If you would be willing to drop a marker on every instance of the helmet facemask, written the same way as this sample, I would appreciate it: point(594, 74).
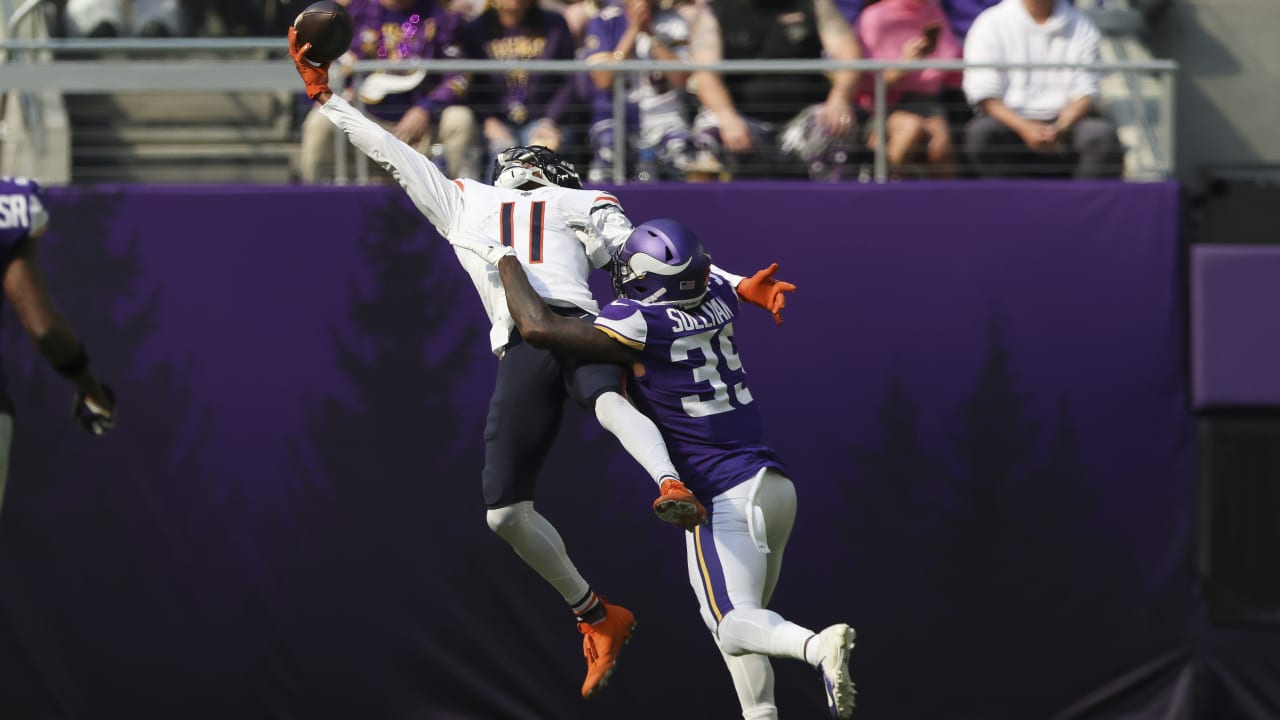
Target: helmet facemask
point(517, 166)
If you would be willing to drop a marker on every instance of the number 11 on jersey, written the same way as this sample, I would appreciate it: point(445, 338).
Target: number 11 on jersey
point(537, 212)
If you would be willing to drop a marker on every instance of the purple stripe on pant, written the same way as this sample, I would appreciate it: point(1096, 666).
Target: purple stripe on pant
point(709, 567)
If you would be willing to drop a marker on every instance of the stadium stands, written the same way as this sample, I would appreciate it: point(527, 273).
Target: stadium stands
point(241, 122)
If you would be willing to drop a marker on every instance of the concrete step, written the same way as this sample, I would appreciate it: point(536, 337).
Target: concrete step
point(258, 151)
point(183, 137)
point(265, 162)
point(192, 135)
point(168, 109)
point(173, 175)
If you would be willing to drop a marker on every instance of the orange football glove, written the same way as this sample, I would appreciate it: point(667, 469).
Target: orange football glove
point(316, 77)
point(762, 290)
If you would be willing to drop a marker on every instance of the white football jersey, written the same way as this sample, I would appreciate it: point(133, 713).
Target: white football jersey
point(531, 221)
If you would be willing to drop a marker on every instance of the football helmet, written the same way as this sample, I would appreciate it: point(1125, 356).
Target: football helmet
point(805, 136)
point(510, 171)
point(662, 261)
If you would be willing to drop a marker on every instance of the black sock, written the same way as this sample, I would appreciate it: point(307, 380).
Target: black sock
point(589, 609)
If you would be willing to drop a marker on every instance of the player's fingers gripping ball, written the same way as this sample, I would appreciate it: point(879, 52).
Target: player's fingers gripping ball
point(316, 77)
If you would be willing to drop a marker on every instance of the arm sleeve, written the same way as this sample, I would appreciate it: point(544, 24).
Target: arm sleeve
point(983, 83)
point(452, 90)
point(38, 215)
point(436, 196)
point(452, 87)
point(613, 227)
point(626, 325)
point(729, 277)
point(599, 41)
point(1084, 83)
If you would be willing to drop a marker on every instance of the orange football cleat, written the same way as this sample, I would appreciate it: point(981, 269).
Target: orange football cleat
point(678, 506)
point(602, 644)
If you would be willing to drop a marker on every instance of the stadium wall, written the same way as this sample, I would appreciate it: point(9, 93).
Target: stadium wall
point(979, 389)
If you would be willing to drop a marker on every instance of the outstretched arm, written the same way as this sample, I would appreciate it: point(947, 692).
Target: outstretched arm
point(543, 328)
point(436, 196)
point(52, 335)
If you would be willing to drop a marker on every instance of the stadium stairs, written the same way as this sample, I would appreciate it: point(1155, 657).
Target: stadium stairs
point(251, 137)
point(171, 137)
point(1131, 100)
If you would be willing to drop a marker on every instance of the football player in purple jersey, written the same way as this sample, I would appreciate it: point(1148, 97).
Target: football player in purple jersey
point(672, 323)
point(23, 218)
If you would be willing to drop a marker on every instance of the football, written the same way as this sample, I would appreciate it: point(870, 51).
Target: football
point(327, 26)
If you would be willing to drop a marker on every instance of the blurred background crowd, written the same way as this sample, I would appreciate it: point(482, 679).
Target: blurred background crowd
point(700, 125)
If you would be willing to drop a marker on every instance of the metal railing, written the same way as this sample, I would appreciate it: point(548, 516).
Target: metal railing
point(260, 64)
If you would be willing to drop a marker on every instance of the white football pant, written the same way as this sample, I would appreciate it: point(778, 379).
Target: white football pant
point(734, 563)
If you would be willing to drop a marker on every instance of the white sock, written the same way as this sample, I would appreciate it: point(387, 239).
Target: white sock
point(536, 541)
point(753, 682)
point(637, 433)
point(756, 630)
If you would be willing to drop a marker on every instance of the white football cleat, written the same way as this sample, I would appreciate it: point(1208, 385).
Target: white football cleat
point(834, 644)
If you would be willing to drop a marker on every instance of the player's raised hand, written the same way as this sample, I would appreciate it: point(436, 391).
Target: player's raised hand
point(489, 251)
point(316, 77)
point(764, 291)
point(96, 415)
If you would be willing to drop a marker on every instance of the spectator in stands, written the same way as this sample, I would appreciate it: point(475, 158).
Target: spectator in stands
point(917, 121)
point(657, 122)
point(120, 18)
point(519, 107)
point(419, 108)
point(1033, 121)
point(774, 124)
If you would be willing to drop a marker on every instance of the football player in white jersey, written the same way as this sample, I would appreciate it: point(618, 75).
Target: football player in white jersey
point(533, 205)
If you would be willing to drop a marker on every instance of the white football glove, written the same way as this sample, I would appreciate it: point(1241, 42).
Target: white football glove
point(490, 252)
point(582, 226)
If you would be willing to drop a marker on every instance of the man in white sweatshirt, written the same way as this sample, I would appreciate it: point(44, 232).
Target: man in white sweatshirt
point(1034, 121)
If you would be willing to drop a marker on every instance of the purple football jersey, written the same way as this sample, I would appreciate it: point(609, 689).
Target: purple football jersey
point(20, 212)
point(422, 30)
point(519, 96)
point(694, 387)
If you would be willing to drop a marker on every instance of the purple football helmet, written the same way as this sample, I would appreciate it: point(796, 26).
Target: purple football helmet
point(662, 261)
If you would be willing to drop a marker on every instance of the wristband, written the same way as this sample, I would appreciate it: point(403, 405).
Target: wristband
point(76, 365)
